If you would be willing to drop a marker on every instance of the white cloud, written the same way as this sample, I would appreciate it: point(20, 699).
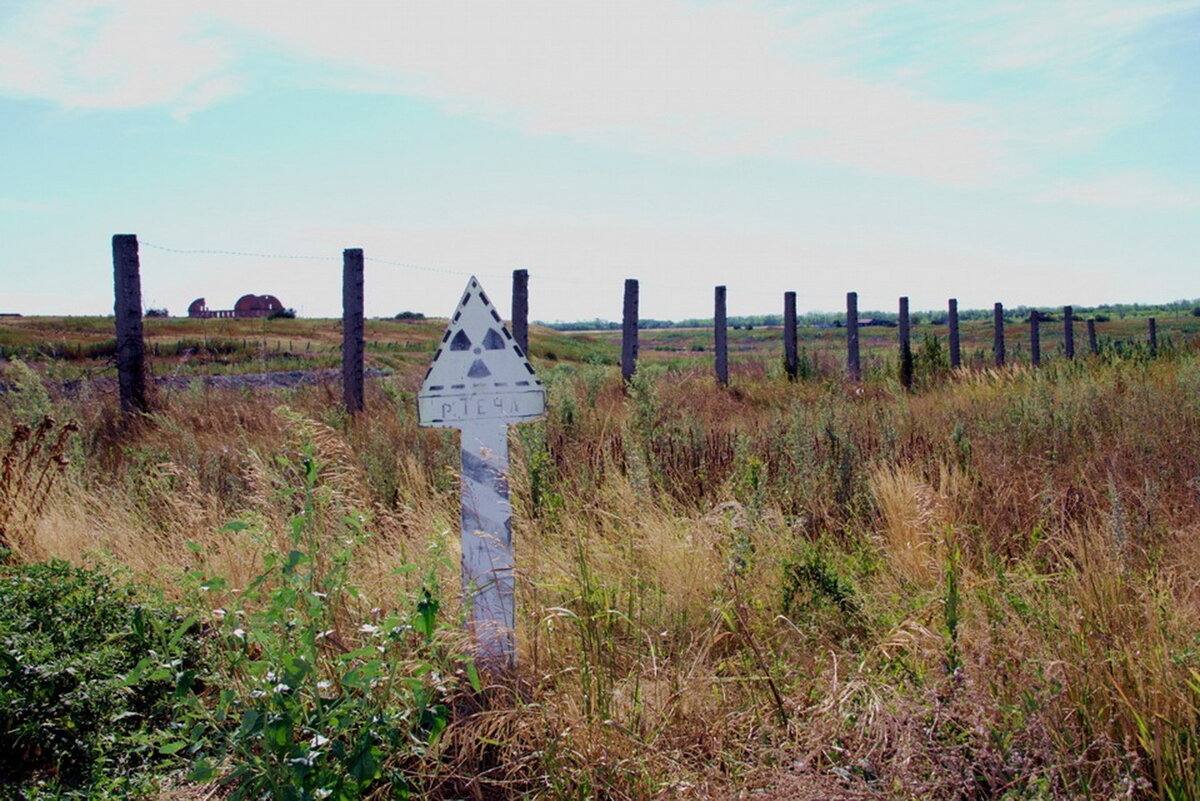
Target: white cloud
point(960, 95)
point(714, 80)
point(104, 55)
point(1124, 190)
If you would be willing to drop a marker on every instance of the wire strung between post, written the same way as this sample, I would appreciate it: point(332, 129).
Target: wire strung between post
point(420, 267)
point(211, 252)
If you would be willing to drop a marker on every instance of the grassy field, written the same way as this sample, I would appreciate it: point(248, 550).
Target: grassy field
point(73, 347)
point(984, 588)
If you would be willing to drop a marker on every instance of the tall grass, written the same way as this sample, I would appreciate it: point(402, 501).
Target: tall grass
point(981, 589)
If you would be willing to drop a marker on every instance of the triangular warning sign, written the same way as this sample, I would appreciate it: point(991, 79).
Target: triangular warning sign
point(479, 371)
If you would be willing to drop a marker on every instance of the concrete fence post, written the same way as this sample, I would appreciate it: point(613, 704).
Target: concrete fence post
point(791, 362)
point(906, 357)
point(520, 310)
point(1093, 345)
point(720, 337)
point(629, 330)
point(853, 366)
point(352, 329)
point(1069, 332)
point(1035, 339)
point(952, 322)
point(998, 334)
point(127, 312)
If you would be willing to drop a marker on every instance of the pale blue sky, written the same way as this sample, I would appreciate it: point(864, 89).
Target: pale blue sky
point(1027, 152)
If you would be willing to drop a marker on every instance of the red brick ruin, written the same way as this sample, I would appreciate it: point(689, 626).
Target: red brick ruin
point(246, 306)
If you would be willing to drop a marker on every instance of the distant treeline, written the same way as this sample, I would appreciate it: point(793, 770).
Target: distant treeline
point(1101, 313)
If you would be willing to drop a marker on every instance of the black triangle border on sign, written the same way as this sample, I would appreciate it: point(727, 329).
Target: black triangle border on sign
point(473, 286)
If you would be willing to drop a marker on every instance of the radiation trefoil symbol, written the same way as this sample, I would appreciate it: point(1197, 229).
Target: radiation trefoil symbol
point(479, 371)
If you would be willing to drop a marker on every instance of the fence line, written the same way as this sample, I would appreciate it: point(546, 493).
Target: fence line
point(1035, 338)
point(131, 346)
point(998, 334)
point(629, 330)
point(127, 312)
point(853, 365)
point(952, 322)
point(791, 362)
point(352, 329)
point(720, 337)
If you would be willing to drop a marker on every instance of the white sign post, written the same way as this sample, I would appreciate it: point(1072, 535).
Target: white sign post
point(480, 382)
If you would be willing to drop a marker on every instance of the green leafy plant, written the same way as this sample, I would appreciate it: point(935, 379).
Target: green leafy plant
point(318, 702)
point(933, 361)
point(90, 675)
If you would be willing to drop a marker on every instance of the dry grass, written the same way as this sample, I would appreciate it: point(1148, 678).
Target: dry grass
point(811, 590)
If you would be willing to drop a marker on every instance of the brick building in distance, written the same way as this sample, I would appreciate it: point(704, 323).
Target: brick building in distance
point(246, 306)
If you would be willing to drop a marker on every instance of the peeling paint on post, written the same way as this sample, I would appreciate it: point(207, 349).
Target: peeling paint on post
point(520, 309)
point(352, 329)
point(1093, 345)
point(1153, 336)
point(629, 330)
point(720, 337)
point(906, 358)
point(952, 322)
point(853, 366)
point(127, 312)
point(1035, 339)
point(1069, 332)
point(791, 362)
point(998, 334)
point(480, 382)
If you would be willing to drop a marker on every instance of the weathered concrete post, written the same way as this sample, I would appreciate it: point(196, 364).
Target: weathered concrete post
point(906, 358)
point(952, 321)
point(629, 330)
point(1153, 336)
point(853, 366)
point(998, 334)
point(1035, 339)
point(1069, 332)
point(520, 309)
point(352, 329)
point(480, 382)
point(1093, 345)
point(720, 337)
point(127, 311)
point(791, 362)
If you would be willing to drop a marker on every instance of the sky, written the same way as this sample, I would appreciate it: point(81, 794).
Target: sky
point(1036, 153)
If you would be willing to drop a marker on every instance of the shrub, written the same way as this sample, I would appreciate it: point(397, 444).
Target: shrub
point(410, 315)
point(157, 313)
point(282, 314)
point(932, 360)
point(311, 705)
point(88, 675)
